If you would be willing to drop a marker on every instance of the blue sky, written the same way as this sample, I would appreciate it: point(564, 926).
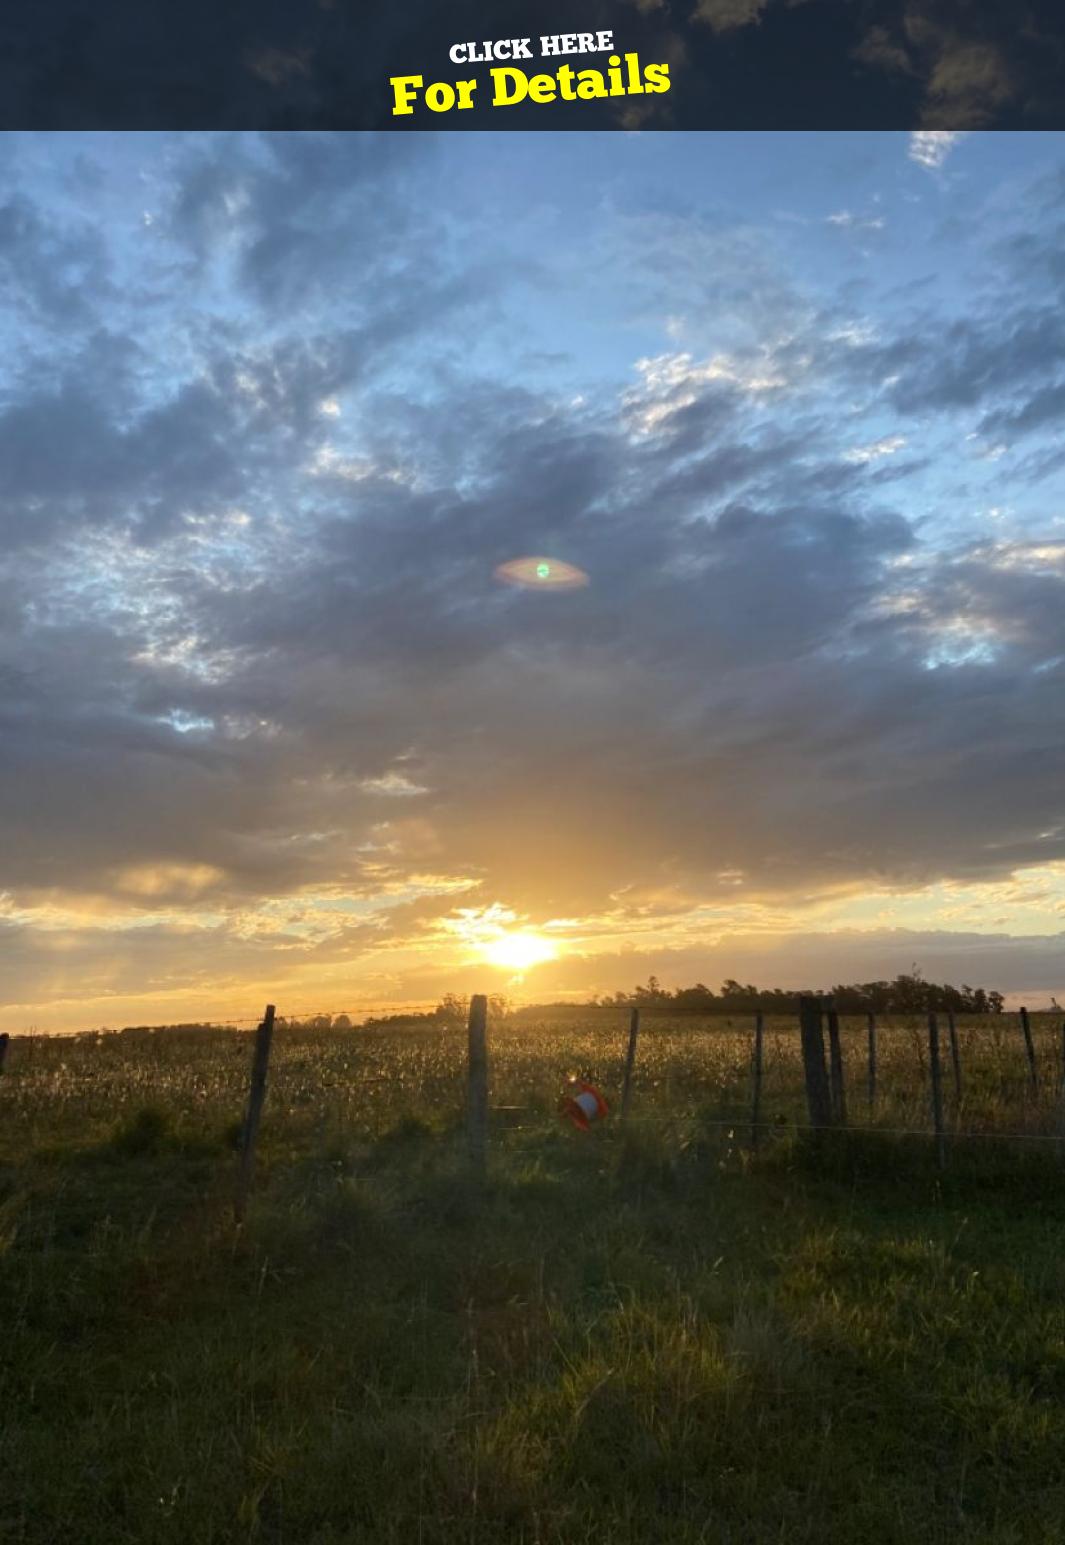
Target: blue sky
point(274, 410)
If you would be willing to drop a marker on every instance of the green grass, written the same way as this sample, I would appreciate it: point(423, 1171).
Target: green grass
point(647, 1337)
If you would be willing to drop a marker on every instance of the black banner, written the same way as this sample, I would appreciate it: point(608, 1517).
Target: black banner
point(588, 64)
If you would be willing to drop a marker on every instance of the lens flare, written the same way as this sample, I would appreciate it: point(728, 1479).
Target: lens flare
point(538, 573)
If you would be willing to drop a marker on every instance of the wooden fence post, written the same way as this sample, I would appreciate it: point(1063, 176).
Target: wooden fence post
point(477, 1084)
point(818, 1098)
point(260, 1062)
point(937, 1087)
point(1033, 1077)
point(955, 1059)
point(871, 1024)
point(756, 1097)
point(835, 1065)
point(630, 1062)
point(4, 1040)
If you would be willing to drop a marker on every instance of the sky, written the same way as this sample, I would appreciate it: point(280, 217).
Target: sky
point(326, 64)
point(276, 408)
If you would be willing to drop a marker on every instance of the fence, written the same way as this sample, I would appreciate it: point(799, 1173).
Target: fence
point(932, 1079)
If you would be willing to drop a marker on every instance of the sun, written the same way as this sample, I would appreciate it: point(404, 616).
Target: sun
point(519, 951)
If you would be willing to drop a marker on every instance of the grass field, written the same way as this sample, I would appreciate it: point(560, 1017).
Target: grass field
point(651, 1336)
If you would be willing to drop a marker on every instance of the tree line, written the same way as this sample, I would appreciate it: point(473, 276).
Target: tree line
point(907, 993)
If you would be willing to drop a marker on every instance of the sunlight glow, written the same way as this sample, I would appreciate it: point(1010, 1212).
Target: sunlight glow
point(519, 951)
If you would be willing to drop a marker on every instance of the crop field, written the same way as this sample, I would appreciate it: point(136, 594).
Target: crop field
point(656, 1333)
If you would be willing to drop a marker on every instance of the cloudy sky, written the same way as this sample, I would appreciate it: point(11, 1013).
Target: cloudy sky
point(274, 409)
point(278, 64)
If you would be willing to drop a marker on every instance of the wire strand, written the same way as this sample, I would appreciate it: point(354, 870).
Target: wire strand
point(741, 1125)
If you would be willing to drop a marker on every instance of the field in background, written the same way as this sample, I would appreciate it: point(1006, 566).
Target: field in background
point(330, 1087)
point(649, 1336)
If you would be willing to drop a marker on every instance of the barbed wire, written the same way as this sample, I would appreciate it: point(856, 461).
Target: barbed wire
point(743, 1126)
point(882, 1017)
point(398, 1013)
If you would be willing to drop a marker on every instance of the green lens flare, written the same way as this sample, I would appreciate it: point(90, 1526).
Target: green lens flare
point(540, 573)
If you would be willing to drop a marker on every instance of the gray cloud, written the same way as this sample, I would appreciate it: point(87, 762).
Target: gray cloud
point(1024, 968)
point(51, 267)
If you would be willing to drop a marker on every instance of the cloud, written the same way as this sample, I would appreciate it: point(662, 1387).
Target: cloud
point(262, 698)
point(968, 79)
point(1026, 969)
point(881, 51)
point(49, 266)
point(931, 147)
point(725, 15)
point(849, 221)
point(972, 67)
point(863, 454)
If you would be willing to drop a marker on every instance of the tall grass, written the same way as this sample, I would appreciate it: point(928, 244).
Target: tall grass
point(653, 1335)
point(72, 1089)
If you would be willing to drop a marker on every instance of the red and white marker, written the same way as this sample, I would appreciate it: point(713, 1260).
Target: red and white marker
point(583, 1105)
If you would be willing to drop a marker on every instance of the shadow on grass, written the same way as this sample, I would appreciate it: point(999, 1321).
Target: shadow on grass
point(975, 1169)
point(149, 1132)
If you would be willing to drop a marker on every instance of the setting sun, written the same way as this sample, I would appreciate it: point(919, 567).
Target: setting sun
point(519, 951)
